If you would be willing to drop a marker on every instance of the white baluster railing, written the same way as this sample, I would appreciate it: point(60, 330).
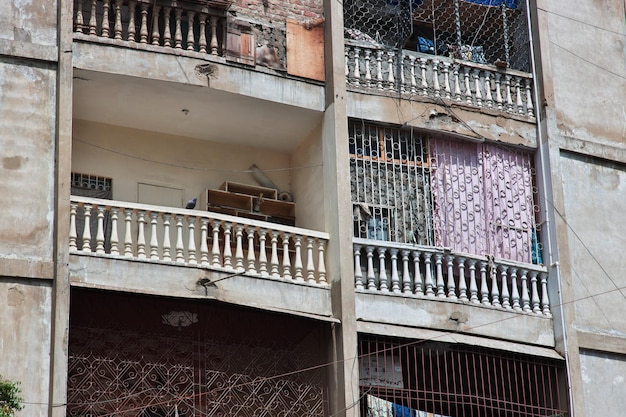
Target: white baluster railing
point(158, 23)
point(227, 243)
point(413, 73)
point(411, 270)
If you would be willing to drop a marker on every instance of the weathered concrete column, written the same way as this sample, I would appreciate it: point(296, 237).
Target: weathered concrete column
point(344, 384)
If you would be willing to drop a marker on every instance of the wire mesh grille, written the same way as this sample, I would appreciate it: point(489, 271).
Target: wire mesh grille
point(422, 379)
point(481, 31)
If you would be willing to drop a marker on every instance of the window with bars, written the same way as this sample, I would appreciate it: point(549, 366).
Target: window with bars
point(475, 198)
point(402, 378)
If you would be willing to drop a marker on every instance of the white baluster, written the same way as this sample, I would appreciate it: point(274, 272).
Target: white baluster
point(488, 96)
point(518, 94)
point(468, 89)
point(413, 80)
point(446, 80)
point(525, 297)
point(216, 256)
point(286, 260)
point(191, 246)
point(395, 278)
point(128, 237)
point(509, 100)
point(382, 270)
point(131, 20)
point(321, 262)
point(87, 229)
point(462, 284)
point(190, 36)
point(93, 25)
point(143, 29)
point(262, 253)
point(545, 301)
point(368, 71)
point(484, 290)
point(180, 246)
point(358, 274)
point(114, 238)
point(371, 277)
point(154, 242)
point(79, 22)
point(379, 69)
point(155, 25)
point(357, 70)
point(498, 92)
point(117, 29)
point(204, 237)
point(100, 231)
point(310, 265)
point(106, 5)
point(202, 35)
point(274, 271)
point(534, 297)
point(424, 83)
point(429, 275)
point(457, 84)
point(346, 57)
point(418, 285)
point(178, 35)
point(228, 254)
point(406, 275)
point(495, 292)
point(167, 30)
point(239, 248)
point(213, 45)
point(402, 58)
point(391, 81)
point(297, 264)
point(505, 287)
point(436, 86)
point(479, 95)
point(514, 290)
point(473, 287)
point(451, 285)
point(167, 246)
point(530, 110)
point(251, 254)
point(439, 275)
point(73, 234)
point(141, 235)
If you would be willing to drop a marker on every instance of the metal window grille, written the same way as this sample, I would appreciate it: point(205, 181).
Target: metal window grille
point(481, 31)
point(91, 182)
point(389, 184)
point(420, 378)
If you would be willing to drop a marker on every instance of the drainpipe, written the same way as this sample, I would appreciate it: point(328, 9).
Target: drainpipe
point(553, 262)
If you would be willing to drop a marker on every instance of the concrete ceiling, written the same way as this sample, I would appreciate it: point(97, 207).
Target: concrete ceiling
point(191, 111)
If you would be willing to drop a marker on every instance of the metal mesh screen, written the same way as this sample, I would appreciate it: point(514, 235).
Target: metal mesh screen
point(481, 31)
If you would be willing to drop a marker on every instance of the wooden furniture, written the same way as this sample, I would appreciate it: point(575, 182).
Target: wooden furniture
point(249, 201)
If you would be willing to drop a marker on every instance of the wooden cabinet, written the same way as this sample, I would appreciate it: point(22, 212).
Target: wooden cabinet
point(252, 202)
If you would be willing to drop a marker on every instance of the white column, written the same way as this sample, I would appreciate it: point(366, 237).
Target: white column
point(239, 248)
point(371, 278)
point(154, 242)
point(251, 254)
point(100, 231)
point(167, 246)
point(204, 237)
point(73, 234)
point(87, 229)
point(395, 278)
point(228, 254)
point(191, 246)
point(114, 238)
point(286, 260)
point(262, 253)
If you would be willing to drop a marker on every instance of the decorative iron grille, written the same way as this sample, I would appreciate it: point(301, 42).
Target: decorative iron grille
point(389, 184)
point(481, 31)
point(420, 378)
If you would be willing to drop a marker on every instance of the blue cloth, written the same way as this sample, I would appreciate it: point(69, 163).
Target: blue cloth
point(402, 411)
point(511, 4)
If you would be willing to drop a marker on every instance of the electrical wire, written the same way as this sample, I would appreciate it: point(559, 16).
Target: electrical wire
point(195, 168)
point(580, 21)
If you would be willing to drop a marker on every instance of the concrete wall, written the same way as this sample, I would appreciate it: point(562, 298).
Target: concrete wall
point(605, 383)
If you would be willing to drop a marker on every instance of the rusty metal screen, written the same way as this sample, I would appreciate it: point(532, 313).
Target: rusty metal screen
point(139, 356)
point(428, 379)
point(480, 31)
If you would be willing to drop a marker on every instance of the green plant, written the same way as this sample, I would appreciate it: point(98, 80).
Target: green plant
point(10, 400)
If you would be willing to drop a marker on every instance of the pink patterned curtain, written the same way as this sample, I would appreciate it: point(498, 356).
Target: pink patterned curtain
point(482, 198)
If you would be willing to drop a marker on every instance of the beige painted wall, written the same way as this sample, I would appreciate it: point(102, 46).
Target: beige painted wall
point(595, 201)
point(170, 161)
point(27, 103)
point(585, 50)
point(29, 21)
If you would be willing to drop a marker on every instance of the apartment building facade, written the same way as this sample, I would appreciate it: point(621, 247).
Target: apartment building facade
point(308, 208)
